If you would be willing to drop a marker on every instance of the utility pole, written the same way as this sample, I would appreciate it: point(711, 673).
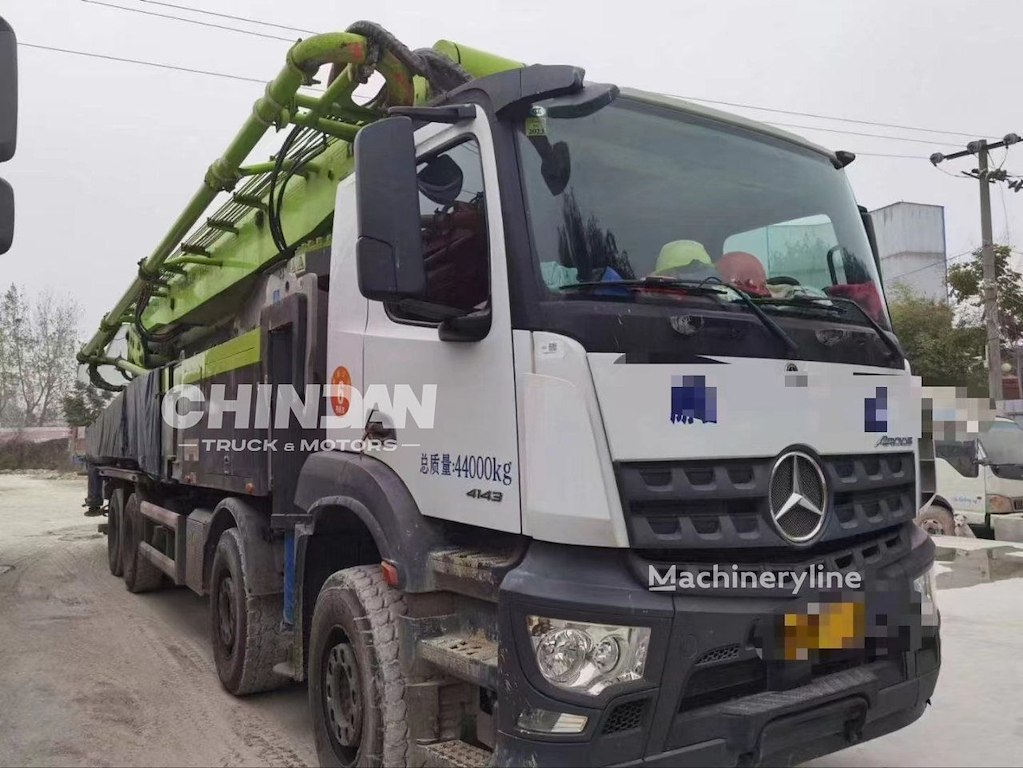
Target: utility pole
point(981, 149)
point(994, 347)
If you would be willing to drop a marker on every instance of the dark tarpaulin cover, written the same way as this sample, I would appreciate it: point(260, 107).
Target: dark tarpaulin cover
point(129, 428)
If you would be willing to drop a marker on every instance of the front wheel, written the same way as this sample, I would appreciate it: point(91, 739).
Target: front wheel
point(356, 684)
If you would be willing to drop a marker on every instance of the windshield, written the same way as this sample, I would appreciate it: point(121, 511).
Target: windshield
point(637, 190)
point(1003, 443)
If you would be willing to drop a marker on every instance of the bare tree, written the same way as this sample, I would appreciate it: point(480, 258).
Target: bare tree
point(8, 378)
point(38, 361)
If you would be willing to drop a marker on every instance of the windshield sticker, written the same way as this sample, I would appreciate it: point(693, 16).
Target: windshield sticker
point(536, 123)
point(692, 399)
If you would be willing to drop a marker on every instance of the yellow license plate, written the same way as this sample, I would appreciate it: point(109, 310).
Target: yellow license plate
point(824, 626)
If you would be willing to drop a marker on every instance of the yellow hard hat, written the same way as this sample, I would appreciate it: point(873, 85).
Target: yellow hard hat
point(681, 253)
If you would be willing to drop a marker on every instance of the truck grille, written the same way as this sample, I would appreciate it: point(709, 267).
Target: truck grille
point(724, 503)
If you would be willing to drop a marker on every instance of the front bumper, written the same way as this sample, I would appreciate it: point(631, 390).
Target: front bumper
point(708, 697)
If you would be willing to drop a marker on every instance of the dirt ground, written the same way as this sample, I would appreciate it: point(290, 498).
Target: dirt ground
point(92, 675)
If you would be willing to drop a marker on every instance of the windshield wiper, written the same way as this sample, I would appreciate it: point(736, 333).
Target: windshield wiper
point(812, 302)
point(693, 286)
point(706, 287)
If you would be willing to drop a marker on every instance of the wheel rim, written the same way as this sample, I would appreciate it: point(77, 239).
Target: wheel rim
point(342, 699)
point(226, 614)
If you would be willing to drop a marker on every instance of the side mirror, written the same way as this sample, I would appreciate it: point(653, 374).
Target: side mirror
point(8, 127)
point(389, 250)
point(8, 91)
point(6, 216)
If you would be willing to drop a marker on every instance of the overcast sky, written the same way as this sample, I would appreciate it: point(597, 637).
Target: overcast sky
point(110, 152)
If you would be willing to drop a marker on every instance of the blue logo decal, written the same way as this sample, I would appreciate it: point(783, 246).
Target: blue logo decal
point(875, 411)
point(692, 399)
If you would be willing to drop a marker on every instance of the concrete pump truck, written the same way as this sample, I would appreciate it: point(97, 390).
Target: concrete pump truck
point(528, 420)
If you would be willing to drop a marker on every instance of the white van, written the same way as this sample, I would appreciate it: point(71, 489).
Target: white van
point(977, 477)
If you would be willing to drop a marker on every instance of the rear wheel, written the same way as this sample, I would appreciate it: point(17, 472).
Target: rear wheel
point(244, 628)
point(356, 684)
point(937, 520)
point(115, 512)
point(140, 575)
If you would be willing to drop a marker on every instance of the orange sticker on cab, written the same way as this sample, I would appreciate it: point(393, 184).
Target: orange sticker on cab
point(340, 390)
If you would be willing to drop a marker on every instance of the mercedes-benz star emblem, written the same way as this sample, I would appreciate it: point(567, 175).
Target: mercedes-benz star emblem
point(799, 496)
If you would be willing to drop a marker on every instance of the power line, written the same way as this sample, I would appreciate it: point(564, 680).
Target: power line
point(158, 65)
point(189, 21)
point(859, 133)
point(886, 154)
point(826, 117)
point(944, 263)
point(229, 16)
point(143, 63)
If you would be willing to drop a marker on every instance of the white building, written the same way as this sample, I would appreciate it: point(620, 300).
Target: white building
point(911, 242)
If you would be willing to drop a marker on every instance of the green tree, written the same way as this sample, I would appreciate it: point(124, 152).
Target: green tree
point(942, 351)
point(964, 283)
point(84, 404)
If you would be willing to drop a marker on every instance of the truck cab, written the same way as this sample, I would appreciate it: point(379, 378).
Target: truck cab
point(981, 477)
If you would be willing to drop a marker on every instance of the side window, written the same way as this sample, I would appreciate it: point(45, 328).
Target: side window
point(453, 219)
point(962, 456)
point(796, 249)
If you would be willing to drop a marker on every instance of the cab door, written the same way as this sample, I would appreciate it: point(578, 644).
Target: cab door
point(461, 464)
point(960, 479)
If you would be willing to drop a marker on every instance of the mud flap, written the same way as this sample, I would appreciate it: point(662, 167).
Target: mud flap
point(846, 718)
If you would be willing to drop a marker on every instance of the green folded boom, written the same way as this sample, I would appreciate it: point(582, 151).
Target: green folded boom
point(185, 282)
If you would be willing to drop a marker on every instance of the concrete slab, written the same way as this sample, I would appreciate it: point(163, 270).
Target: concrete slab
point(1008, 528)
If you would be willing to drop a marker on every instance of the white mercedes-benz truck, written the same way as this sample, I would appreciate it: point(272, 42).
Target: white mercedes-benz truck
point(578, 432)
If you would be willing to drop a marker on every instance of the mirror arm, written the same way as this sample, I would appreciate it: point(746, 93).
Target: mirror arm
point(470, 327)
point(454, 113)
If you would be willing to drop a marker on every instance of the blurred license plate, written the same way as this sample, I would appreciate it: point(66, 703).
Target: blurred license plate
point(824, 626)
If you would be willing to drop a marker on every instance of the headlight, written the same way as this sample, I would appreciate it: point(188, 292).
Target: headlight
point(998, 504)
point(925, 587)
point(587, 658)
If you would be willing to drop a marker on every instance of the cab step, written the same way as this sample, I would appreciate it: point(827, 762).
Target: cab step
point(454, 754)
point(472, 658)
point(474, 572)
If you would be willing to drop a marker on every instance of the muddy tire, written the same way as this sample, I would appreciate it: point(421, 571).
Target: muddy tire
point(115, 514)
point(140, 575)
point(937, 520)
point(244, 629)
point(356, 683)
